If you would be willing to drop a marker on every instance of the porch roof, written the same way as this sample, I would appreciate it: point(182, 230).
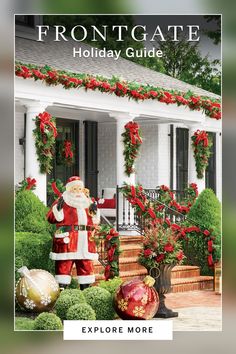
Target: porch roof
point(59, 55)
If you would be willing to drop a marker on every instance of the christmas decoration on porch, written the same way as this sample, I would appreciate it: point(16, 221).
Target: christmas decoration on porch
point(152, 213)
point(136, 299)
point(36, 290)
point(27, 184)
point(45, 134)
point(66, 153)
point(201, 144)
point(133, 90)
point(132, 142)
point(108, 244)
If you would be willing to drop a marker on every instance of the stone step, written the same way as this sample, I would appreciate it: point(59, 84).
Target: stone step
point(129, 239)
point(192, 284)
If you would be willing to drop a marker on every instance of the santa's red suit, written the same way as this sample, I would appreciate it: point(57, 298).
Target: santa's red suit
point(73, 241)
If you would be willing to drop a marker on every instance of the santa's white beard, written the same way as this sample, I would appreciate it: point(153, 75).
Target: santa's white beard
point(75, 201)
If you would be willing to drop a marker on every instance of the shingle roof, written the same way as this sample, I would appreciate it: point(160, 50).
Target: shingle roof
point(59, 55)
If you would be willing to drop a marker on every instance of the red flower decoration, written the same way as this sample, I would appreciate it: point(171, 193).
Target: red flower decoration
point(169, 247)
point(160, 257)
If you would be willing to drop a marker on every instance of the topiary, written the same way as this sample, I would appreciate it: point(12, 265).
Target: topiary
point(111, 285)
point(32, 250)
point(206, 211)
point(47, 322)
point(101, 301)
point(67, 299)
point(30, 213)
point(24, 324)
point(81, 312)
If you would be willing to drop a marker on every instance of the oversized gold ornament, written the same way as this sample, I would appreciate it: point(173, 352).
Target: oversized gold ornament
point(37, 290)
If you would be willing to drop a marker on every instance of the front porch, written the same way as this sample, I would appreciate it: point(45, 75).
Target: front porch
point(99, 157)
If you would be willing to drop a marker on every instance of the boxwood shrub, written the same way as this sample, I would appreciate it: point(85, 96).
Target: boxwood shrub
point(101, 301)
point(68, 298)
point(32, 250)
point(30, 213)
point(111, 285)
point(47, 321)
point(81, 312)
point(206, 211)
point(24, 324)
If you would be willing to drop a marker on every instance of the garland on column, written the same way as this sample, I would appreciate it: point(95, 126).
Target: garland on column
point(201, 144)
point(45, 134)
point(132, 142)
point(133, 90)
point(66, 153)
point(27, 184)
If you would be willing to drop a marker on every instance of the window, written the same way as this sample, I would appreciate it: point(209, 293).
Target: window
point(25, 20)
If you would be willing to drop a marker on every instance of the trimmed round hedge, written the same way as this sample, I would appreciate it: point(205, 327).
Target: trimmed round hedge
point(81, 312)
point(68, 298)
point(101, 301)
point(47, 322)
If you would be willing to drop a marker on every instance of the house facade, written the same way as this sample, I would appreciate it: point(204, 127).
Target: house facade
point(94, 122)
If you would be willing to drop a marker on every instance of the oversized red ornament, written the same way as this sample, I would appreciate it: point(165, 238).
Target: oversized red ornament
point(136, 299)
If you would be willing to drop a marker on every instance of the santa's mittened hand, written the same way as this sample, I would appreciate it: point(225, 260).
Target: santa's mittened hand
point(93, 208)
point(60, 203)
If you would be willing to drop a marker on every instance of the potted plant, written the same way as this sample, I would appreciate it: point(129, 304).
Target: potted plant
point(161, 252)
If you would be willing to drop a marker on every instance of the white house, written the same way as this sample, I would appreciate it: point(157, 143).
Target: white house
point(94, 121)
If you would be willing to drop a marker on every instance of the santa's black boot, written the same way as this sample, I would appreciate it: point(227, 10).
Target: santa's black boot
point(62, 286)
point(84, 286)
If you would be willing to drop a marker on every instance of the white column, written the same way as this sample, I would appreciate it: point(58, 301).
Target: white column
point(121, 120)
point(31, 163)
point(219, 166)
point(163, 154)
point(192, 174)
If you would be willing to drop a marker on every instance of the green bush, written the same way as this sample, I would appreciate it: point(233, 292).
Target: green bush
point(111, 285)
point(101, 301)
point(30, 213)
point(24, 324)
point(206, 211)
point(47, 322)
point(68, 298)
point(74, 283)
point(32, 250)
point(81, 312)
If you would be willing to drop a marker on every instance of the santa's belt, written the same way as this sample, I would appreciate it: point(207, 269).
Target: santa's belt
point(76, 228)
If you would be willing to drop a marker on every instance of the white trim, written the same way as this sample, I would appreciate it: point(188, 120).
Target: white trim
point(86, 279)
point(73, 255)
point(59, 215)
point(62, 235)
point(63, 279)
point(74, 183)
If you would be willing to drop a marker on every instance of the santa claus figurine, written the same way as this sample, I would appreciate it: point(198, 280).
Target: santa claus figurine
point(76, 217)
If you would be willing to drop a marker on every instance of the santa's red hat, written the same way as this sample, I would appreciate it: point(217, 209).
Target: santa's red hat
point(74, 181)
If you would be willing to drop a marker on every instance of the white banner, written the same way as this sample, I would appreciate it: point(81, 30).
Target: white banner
point(118, 330)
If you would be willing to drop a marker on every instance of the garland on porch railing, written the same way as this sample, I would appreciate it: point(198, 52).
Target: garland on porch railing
point(132, 142)
point(104, 233)
point(66, 153)
point(152, 213)
point(201, 144)
point(133, 90)
point(45, 134)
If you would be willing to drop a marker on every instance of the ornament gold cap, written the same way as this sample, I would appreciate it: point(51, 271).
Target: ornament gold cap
point(149, 281)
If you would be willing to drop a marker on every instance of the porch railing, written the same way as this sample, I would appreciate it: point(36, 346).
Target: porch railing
point(128, 220)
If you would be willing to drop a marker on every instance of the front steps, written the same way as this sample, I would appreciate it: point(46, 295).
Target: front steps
point(184, 278)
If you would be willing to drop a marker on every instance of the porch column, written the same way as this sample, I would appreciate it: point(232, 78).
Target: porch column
point(192, 174)
point(31, 163)
point(163, 155)
point(126, 213)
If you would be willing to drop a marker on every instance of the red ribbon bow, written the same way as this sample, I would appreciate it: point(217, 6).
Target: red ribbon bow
point(201, 136)
point(45, 120)
point(67, 147)
point(133, 132)
point(31, 182)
